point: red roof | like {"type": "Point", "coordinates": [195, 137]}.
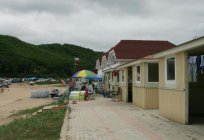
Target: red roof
{"type": "Point", "coordinates": [135, 49]}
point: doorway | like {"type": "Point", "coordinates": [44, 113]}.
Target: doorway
{"type": "Point", "coordinates": [195, 89]}
{"type": "Point", "coordinates": [129, 97]}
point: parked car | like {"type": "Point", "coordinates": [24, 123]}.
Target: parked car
{"type": "Point", "coordinates": [4, 85]}
{"type": "Point", "coordinates": [16, 80]}
{"type": "Point", "coordinates": [31, 83]}
{"type": "Point", "coordinates": [8, 81]}
{"type": "Point", "coordinates": [33, 79]}
{"type": "Point", "coordinates": [42, 80]}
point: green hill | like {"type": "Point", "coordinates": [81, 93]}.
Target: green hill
{"type": "Point", "coordinates": [21, 59]}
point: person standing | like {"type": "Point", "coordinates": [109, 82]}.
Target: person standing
{"type": "Point", "coordinates": [2, 90]}
{"type": "Point", "coordinates": [86, 94]}
{"type": "Point", "coordinates": [90, 88]}
{"type": "Point", "coordinates": [71, 84]}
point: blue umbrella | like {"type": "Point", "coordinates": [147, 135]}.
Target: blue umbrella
{"type": "Point", "coordinates": [98, 77]}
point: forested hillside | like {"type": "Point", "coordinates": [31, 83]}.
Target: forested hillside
{"type": "Point", "coordinates": [21, 59]}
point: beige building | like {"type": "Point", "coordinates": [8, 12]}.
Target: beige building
{"type": "Point", "coordinates": [124, 52]}
{"type": "Point", "coordinates": [181, 82]}
{"type": "Point", "coordinates": [144, 80]}
{"type": "Point", "coordinates": [171, 80]}
{"type": "Point", "coordinates": [178, 93]}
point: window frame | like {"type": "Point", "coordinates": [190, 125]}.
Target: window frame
{"type": "Point", "coordinates": [170, 83]}
{"type": "Point", "coordinates": [138, 82]}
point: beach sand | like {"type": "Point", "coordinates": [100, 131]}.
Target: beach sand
{"type": "Point", "coordinates": [17, 97]}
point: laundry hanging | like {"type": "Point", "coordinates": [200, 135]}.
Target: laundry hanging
{"type": "Point", "coordinates": [192, 68]}
{"type": "Point", "coordinates": [202, 63]}
{"type": "Point", "coordinates": [195, 67]}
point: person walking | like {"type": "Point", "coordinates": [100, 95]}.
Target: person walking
{"type": "Point", "coordinates": [71, 84]}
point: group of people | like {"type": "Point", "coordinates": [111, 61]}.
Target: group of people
{"type": "Point", "coordinates": [87, 87]}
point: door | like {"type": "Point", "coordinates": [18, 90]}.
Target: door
{"type": "Point", "coordinates": [129, 84]}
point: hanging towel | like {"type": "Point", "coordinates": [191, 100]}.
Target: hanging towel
{"type": "Point", "coordinates": [202, 63]}
{"type": "Point", "coordinates": [192, 68]}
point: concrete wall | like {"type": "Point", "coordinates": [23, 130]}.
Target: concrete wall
{"type": "Point", "coordinates": [151, 98]}
{"type": "Point", "coordinates": [143, 96]}
{"type": "Point", "coordinates": [172, 101]}
{"type": "Point", "coordinates": [172, 105]}
{"type": "Point", "coordinates": [146, 98]}
{"type": "Point", "coordinates": [123, 84]}
{"type": "Point", "coordinates": [139, 96]}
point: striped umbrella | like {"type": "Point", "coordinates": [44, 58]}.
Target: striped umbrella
{"type": "Point", "coordinates": [84, 74]}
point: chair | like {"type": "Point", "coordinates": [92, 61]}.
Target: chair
{"type": "Point", "coordinates": [91, 92]}
{"type": "Point", "coordinates": [91, 96]}
{"type": "Point", "coordinates": [116, 94]}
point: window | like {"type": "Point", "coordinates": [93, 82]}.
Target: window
{"type": "Point", "coordinates": [138, 74]}
{"type": "Point", "coordinates": [170, 68]}
{"type": "Point", "coordinates": [111, 58]}
{"type": "Point", "coordinates": [170, 72]}
{"type": "Point", "coordinates": [122, 75]}
{"type": "Point", "coordinates": [153, 72]}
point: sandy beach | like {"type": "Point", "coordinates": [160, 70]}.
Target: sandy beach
{"type": "Point", "coordinates": [18, 97]}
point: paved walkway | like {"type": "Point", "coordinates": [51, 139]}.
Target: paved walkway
{"type": "Point", "coordinates": [103, 119]}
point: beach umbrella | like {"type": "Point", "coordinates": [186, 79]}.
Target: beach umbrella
{"type": "Point", "coordinates": [84, 74]}
{"type": "Point", "coordinates": [98, 77]}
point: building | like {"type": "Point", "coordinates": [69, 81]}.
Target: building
{"type": "Point", "coordinates": [165, 77]}
{"type": "Point", "coordinates": [123, 52]}
{"type": "Point", "coordinates": [142, 87]}
{"type": "Point", "coordinates": [181, 81]}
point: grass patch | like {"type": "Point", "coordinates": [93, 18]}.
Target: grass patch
{"type": "Point", "coordinates": [45, 126]}
{"type": "Point", "coordinates": [62, 101]}
{"type": "Point", "coordinates": [29, 111]}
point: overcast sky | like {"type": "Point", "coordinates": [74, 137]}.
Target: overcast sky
{"type": "Point", "coordinates": [100, 24]}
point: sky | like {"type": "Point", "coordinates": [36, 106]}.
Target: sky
{"type": "Point", "coordinates": [101, 24]}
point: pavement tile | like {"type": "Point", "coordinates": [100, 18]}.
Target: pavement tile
{"type": "Point", "coordinates": [103, 119]}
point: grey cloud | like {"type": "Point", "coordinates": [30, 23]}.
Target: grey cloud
{"type": "Point", "coordinates": [47, 6]}
{"type": "Point", "coordinates": [122, 7]}
{"type": "Point", "coordinates": [68, 7]}
{"type": "Point", "coordinates": [100, 24]}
